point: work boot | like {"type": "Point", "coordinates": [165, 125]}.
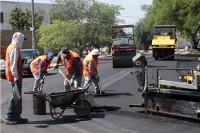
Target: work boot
{"type": "Point", "coordinates": [21, 120]}
{"type": "Point", "coordinates": [8, 121]}
{"type": "Point", "coordinates": [99, 92]}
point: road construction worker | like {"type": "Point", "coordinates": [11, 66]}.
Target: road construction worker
{"type": "Point", "coordinates": [74, 68]}
{"type": "Point", "coordinates": [14, 76]}
{"type": "Point", "coordinates": [39, 68]}
{"type": "Point", "coordinates": [90, 73]}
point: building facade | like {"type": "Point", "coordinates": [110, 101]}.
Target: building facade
{"type": "Point", "coordinates": [7, 6]}
{"type": "Point", "coordinates": [6, 29]}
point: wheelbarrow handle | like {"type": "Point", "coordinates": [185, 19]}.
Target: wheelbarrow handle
{"type": "Point", "coordinates": [29, 92]}
{"type": "Point", "coordinates": [36, 93]}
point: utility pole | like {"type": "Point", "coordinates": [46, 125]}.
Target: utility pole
{"type": "Point", "coordinates": [178, 40]}
{"type": "Point", "coordinates": [33, 26]}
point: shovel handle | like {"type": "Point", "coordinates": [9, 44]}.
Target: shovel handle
{"type": "Point", "coordinates": [63, 75]}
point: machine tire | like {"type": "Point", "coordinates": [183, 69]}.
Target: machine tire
{"type": "Point", "coordinates": [172, 57]}
{"type": "Point", "coordinates": [156, 56]}
{"type": "Point", "coordinates": [114, 63]}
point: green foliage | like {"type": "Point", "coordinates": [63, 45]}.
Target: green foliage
{"type": "Point", "coordinates": [69, 9]}
{"type": "Point", "coordinates": [17, 18]}
{"type": "Point", "coordinates": [142, 37]}
{"type": "Point", "coordinates": [60, 33]}
{"type": "Point", "coordinates": [78, 22]}
{"type": "Point", "coordinates": [100, 18]}
{"type": "Point", "coordinates": [39, 16]}
{"type": "Point", "coordinates": [22, 20]}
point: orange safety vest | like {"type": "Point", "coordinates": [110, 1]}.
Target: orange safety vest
{"type": "Point", "coordinates": [9, 75]}
{"type": "Point", "coordinates": [88, 58]}
{"type": "Point", "coordinates": [34, 66]}
{"type": "Point", "coordinates": [68, 65]}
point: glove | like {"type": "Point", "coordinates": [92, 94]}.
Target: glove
{"type": "Point", "coordinates": [42, 81]}
{"type": "Point", "coordinates": [97, 77]}
{"type": "Point", "coordinates": [73, 77]}
{"type": "Point", "coordinates": [16, 79]}
{"type": "Point", "coordinates": [71, 81]}
{"type": "Point", "coordinates": [45, 73]}
{"type": "Point", "coordinates": [55, 67]}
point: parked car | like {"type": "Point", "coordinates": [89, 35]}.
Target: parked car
{"type": "Point", "coordinates": [2, 68]}
{"type": "Point", "coordinates": [28, 55]}
{"type": "Point", "coordinates": [2, 61]}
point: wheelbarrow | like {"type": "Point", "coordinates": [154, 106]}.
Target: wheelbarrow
{"type": "Point", "coordinates": [59, 102]}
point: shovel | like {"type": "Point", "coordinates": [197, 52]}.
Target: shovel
{"type": "Point", "coordinates": [42, 83]}
{"type": "Point", "coordinates": [101, 92]}
{"type": "Point", "coordinates": [67, 79]}
{"type": "Point", "coordinates": [63, 75]}
{"type": "Point", "coordinates": [16, 94]}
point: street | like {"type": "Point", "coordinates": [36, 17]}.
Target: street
{"type": "Point", "coordinates": [112, 113]}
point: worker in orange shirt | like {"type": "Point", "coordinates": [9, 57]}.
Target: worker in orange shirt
{"type": "Point", "coordinates": [14, 76]}
{"type": "Point", "coordinates": [73, 65]}
{"type": "Point", "coordinates": [39, 68]}
{"type": "Point", "coordinates": [90, 72]}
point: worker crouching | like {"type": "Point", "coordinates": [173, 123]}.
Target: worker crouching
{"type": "Point", "coordinates": [39, 68]}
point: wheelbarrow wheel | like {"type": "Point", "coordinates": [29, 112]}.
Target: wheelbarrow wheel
{"type": "Point", "coordinates": [82, 108]}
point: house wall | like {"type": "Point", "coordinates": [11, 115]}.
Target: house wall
{"type": "Point", "coordinates": [6, 29]}
{"type": "Point", "coordinates": [6, 38]}
{"type": "Point", "coordinates": [7, 6]}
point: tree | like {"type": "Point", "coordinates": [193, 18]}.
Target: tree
{"type": "Point", "coordinates": [17, 18]}
{"type": "Point", "coordinates": [189, 18]}
{"type": "Point", "coordinates": [39, 17]}
{"type": "Point", "coordinates": [69, 9]}
{"type": "Point", "coordinates": [60, 33]}
{"type": "Point", "coordinates": [91, 24]}
{"type": "Point", "coordinates": [21, 20]}
{"type": "Point", "coordinates": [142, 37]}
{"type": "Point", "coordinates": [100, 18]}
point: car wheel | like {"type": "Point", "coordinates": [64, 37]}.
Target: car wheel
{"type": "Point", "coordinates": [30, 73]}
{"type": "Point", "coordinates": [3, 76]}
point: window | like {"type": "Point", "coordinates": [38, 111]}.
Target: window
{"type": "Point", "coordinates": [1, 17]}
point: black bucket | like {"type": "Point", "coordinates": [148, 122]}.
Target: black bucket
{"type": "Point", "coordinates": [39, 105]}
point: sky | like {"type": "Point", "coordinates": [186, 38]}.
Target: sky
{"type": "Point", "coordinates": [130, 15]}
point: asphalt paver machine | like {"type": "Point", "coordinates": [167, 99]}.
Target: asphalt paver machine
{"type": "Point", "coordinates": [168, 97]}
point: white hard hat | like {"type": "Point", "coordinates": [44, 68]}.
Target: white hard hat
{"type": "Point", "coordinates": [95, 52]}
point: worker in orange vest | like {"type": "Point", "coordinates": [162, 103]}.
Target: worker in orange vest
{"type": "Point", "coordinates": [90, 72]}
{"type": "Point", "coordinates": [74, 67]}
{"type": "Point", "coordinates": [39, 68]}
{"type": "Point", "coordinates": [14, 76]}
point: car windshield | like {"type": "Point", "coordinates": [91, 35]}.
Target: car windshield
{"type": "Point", "coordinates": [27, 54]}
